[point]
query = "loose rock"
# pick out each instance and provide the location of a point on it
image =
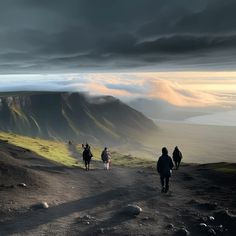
(88, 217)
(211, 218)
(45, 205)
(182, 232)
(211, 231)
(203, 225)
(42, 205)
(169, 226)
(23, 185)
(132, 210)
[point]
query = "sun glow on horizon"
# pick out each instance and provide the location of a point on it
(185, 88)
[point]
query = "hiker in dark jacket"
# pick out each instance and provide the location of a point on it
(164, 167)
(87, 155)
(177, 157)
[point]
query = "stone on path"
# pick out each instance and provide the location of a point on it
(23, 185)
(182, 232)
(41, 205)
(132, 210)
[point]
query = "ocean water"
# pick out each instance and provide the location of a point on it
(227, 118)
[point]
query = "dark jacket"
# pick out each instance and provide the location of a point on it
(87, 155)
(177, 155)
(105, 156)
(164, 165)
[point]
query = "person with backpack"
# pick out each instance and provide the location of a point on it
(177, 157)
(106, 158)
(164, 168)
(87, 155)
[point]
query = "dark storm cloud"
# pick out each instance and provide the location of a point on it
(60, 36)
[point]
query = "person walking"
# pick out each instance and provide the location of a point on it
(164, 168)
(177, 157)
(106, 158)
(87, 155)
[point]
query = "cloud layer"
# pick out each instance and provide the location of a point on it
(68, 36)
(185, 91)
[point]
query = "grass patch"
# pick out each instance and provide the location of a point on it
(130, 161)
(51, 150)
(58, 152)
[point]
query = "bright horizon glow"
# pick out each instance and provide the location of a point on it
(186, 88)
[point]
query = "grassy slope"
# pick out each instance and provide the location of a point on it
(58, 152)
(54, 151)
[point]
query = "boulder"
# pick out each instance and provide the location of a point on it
(132, 210)
(23, 185)
(41, 205)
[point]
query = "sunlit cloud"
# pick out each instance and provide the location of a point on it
(184, 89)
(174, 94)
(100, 89)
(171, 88)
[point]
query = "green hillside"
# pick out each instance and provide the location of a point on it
(59, 152)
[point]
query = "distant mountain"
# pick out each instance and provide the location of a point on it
(73, 116)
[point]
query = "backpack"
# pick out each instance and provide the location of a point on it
(87, 153)
(104, 156)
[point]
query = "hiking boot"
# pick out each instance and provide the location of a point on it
(166, 189)
(163, 190)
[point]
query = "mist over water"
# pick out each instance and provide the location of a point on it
(199, 143)
(227, 118)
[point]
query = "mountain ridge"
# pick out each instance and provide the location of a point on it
(76, 116)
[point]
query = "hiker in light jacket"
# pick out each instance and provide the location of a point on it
(106, 158)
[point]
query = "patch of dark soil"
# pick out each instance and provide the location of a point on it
(208, 206)
(227, 219)
(13, 174)
(187, 177)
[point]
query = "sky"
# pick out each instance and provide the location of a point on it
(182, 52)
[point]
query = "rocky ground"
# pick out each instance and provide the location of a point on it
(38, 197)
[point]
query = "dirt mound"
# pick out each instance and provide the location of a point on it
(12, 173)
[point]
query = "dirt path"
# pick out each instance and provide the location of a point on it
(91, 203)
